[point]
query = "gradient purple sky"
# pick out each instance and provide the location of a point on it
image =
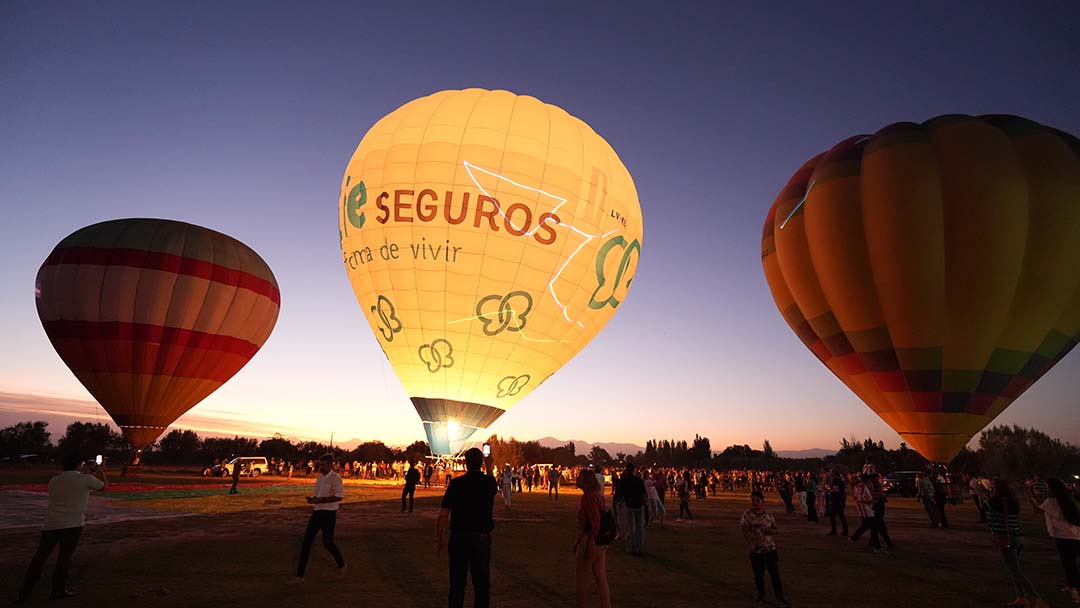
(241, 117)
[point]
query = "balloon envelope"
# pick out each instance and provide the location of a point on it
(488, 237)
(933, 268)
(154, 315)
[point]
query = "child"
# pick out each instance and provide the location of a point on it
(758, 526)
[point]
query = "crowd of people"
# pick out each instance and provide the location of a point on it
(638, 498)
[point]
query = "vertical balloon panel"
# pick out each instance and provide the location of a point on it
(488, 237)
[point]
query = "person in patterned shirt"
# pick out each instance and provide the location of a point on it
(591, 557)
(758, 527)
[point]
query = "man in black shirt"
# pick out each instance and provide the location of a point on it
(466, 507)
(632, 492)
(837, 498)
(412, 477)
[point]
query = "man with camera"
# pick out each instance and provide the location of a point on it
(64, 520)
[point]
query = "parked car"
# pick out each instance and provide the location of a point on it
(900, 482)
(250, 466)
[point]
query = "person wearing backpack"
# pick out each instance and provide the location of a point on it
(591, 545)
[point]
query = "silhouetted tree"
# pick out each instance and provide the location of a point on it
(24, 438)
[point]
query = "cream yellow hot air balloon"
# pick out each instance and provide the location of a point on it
(488, 237)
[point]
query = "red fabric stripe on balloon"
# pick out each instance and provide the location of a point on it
(184, 354)
(154, 260)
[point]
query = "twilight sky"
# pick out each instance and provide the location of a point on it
(241, 117)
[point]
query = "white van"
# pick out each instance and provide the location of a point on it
(252, 466)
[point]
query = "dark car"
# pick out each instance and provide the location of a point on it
(900, 482)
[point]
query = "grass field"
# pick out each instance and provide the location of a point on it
(238, 551)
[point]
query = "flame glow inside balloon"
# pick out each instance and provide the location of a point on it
(933, 268)
(488, 237)
(154, 315)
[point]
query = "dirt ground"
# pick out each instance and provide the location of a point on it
(182, 541)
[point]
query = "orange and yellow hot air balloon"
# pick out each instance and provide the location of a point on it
(154, 315)
(934, 268)
(488, 237)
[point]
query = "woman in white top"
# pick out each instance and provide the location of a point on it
(1063, 524)
(656, 508)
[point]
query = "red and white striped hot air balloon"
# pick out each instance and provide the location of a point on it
(154, 315)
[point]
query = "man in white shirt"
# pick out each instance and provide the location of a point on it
(329, 491)
(64, 521)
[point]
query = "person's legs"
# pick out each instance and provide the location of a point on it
(480, 569)
(637, 530)
(305, 547)
(1067, 551)
(404, 493)
(863, 527)
(49, 540)
(412, 497)
(328, 523)
(757, 563)
(875, 541)
(459, 569)
(928, 506)
(599, 568)
(772, 563)
(883, 530)
(1023, 586)
(69, 539)
(583, 571)
(939, 503)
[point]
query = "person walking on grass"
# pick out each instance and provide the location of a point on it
(811, 498)
(467, 508)
(1003, 517)
(633, 493)
(553, 476)
(236, 470)
(64, 520)
(591, 558)
(864, 503)
(683, 490)
(758, 528)
(412, 477)
(925, 490)
(329, 492)
(837, 502)
(1063, 525)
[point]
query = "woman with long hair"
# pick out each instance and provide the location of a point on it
(591, 558)
(1063, 524)
(1003, 517)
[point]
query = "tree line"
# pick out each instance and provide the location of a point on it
(183, 447)
(1012, 451)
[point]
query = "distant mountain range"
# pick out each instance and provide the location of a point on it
(583, 447)
(811, 453)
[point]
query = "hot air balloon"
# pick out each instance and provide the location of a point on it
(488, 237)
(154, 315)
(934, 268)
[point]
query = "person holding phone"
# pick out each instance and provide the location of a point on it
(64, 520)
